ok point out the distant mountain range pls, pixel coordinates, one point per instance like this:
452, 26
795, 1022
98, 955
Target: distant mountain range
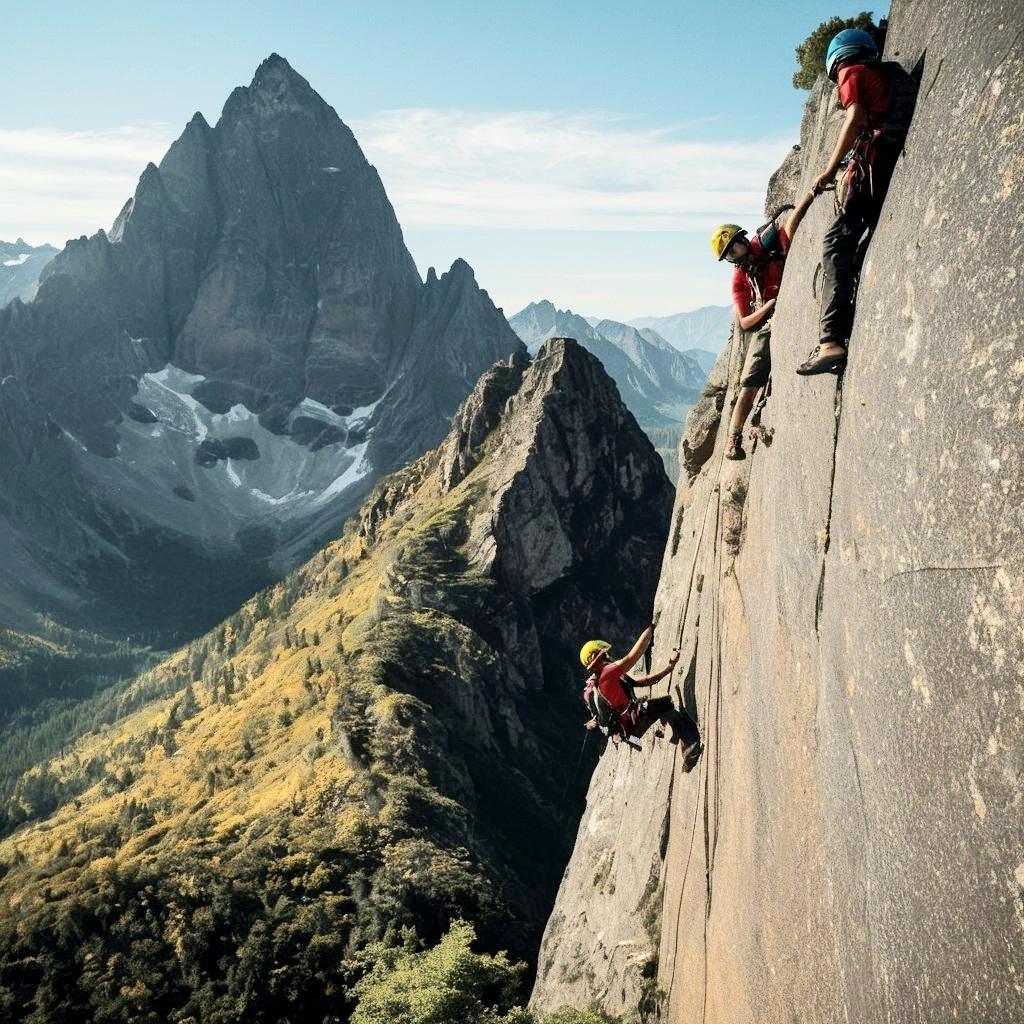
20, 267
706, 328
656, 381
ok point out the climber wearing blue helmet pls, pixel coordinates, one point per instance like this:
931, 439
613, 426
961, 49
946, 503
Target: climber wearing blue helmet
878, 99
847, 45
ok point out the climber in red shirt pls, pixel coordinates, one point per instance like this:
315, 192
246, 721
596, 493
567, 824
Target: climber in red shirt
878, 100
759, 262
610, 696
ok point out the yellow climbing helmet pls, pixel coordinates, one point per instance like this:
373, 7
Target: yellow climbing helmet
722, 237
592, 648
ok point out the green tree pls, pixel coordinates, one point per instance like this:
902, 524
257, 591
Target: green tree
810, 54
447, 983
570, 1016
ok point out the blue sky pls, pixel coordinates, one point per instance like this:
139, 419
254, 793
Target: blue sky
574, 151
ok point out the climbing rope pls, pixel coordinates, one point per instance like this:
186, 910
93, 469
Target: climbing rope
579, 761
715, 672
716, 489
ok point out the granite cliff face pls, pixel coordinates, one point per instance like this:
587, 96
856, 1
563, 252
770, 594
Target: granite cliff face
225, 374
848, 602
376, 742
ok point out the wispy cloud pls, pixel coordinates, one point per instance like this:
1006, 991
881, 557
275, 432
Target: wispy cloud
562, 171
547, 170
56, 184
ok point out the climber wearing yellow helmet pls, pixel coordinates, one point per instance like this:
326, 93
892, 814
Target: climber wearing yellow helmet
615, 709
759, 262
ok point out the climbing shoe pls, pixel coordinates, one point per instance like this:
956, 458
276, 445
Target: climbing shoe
734, 447
817, 363
691, 755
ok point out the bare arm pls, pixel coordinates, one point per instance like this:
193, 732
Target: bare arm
637, 652
798, 214
856, 121
758, 317
652, 679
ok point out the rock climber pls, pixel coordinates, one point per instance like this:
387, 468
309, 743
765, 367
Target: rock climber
879, 101
759, 262
610, 697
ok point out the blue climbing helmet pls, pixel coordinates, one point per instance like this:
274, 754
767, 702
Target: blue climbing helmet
851, 42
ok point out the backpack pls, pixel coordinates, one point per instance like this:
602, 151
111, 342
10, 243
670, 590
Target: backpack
902, 100
769, 237
601, 708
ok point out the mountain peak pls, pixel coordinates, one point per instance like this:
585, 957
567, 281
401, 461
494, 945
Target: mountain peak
276, 88
460, 270
277, 77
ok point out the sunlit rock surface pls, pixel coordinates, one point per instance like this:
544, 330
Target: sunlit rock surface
849, 606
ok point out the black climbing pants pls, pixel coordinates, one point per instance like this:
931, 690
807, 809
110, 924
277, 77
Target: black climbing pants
661, 709
839, 262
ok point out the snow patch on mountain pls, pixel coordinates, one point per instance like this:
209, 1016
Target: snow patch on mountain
287, 480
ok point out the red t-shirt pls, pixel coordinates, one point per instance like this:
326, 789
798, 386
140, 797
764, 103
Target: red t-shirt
611, 687
867, 85
769, 276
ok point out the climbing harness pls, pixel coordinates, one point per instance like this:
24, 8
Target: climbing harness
858, 174
609, 721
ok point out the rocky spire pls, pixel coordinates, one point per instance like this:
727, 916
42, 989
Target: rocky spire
263, 256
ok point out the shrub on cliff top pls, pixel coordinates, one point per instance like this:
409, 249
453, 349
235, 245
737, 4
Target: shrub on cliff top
447, 983
568, 1016
810, 54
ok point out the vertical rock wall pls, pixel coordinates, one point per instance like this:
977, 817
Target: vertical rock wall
850, 603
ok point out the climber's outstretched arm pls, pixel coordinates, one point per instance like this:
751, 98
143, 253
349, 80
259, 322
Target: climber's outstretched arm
793, 221
637, 652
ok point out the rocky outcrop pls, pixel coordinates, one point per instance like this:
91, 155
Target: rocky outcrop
478, 417
255, 295
848, 606
378, 742
698, 440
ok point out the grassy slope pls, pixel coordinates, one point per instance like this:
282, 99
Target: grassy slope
278, 790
